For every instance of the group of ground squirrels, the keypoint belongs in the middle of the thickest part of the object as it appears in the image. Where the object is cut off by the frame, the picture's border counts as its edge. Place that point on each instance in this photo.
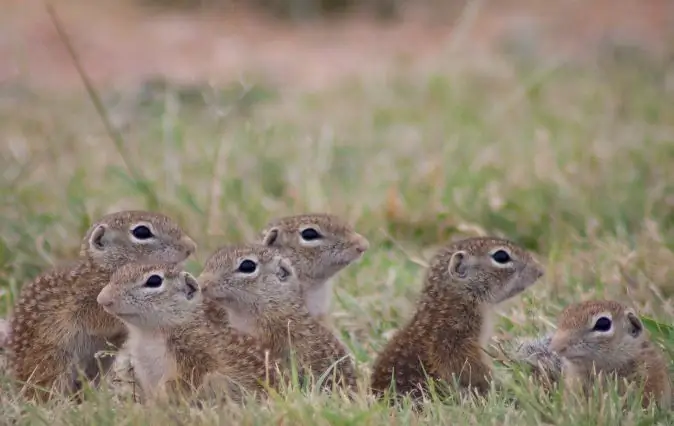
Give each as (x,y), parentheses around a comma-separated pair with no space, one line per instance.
(260,311)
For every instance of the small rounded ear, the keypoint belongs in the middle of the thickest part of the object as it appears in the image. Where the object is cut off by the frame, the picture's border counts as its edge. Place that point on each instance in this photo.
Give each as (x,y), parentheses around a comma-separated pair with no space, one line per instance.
(285,269)
(458,269)
(635,327)
(192,285)
(270,237)
(96,238)
(190,280)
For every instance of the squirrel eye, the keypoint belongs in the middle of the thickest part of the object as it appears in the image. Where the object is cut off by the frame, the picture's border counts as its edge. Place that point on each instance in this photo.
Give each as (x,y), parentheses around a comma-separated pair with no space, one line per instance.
(501,256)
(142,232)
(247,266)
(602,324)
(154,281)
(310,234)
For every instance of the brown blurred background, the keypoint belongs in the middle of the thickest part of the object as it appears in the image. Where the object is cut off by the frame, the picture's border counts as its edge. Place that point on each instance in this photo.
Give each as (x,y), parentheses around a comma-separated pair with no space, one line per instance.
(302,43)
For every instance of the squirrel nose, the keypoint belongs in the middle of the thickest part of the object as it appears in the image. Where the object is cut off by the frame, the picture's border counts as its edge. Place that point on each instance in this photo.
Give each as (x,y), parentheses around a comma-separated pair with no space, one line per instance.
(190,245)
(559,342)
(537,268)
(204,281)
(104,299)
(361,243)
(540,273)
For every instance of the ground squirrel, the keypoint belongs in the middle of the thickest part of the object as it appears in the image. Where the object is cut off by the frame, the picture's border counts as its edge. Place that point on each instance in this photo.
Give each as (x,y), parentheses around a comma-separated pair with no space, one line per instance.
(258,287)
(4,333)
(453,320)
(545,364)
(171,345)
(322,245)
(57,327)
(607,337)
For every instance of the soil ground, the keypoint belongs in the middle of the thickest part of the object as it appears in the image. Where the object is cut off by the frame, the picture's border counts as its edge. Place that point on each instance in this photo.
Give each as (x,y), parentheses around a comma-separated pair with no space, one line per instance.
(123,42)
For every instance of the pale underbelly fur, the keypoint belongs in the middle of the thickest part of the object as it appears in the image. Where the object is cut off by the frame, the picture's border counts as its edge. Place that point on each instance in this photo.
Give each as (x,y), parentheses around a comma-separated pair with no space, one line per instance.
(153,365)
(318,298)
(487,331)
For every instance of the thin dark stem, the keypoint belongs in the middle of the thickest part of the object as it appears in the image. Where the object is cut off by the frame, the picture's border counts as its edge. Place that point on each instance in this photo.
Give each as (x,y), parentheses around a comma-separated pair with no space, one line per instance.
(114,134)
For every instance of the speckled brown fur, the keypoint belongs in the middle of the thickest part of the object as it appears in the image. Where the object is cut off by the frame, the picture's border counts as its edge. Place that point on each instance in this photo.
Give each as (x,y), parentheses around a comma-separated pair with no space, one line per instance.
(625,350)
(4,333)
(172,346)
(266,304)
(452,321)
(57,326)
(319,260)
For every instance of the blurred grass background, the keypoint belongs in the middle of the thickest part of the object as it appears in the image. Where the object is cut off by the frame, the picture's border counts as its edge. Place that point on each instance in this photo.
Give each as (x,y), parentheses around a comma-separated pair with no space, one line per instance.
(550,125)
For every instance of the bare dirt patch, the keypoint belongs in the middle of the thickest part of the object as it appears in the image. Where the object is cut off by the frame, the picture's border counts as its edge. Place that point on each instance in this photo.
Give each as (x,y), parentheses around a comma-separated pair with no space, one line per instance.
(121,43)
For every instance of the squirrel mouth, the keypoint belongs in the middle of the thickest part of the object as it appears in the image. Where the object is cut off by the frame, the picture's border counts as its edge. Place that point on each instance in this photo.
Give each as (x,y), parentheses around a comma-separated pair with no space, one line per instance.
(347,261)
(123,315)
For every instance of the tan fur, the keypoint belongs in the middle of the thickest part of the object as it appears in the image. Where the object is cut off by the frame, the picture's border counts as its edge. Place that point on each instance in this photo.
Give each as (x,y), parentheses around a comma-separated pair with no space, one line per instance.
(545,365)
(172,346)
(4,333)
(268,302)
(625,351)
(317,261)
(452,323)
(57,327)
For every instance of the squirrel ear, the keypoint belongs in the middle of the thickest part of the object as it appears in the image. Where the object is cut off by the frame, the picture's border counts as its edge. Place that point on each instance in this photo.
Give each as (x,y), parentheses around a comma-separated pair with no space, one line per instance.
(635,326)
(192,285)
(457,265)
(96,238)
(270,236)
(285,269)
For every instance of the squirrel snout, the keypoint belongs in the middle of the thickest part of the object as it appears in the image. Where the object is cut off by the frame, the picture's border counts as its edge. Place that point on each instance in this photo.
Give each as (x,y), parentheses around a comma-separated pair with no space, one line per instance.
(559,342)
(536,268)
(205,280)
(361,243)
(539,273)
(104,299)
(190,245)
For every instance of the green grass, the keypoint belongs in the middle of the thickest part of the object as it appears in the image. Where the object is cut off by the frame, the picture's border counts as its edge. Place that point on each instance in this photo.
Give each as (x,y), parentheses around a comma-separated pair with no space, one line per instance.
(575,162)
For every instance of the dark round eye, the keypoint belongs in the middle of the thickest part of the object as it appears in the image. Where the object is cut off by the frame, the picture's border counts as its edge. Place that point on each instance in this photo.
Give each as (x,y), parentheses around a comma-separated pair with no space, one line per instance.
(602,324)
(154,281)
(501,256)
(142,232)
(310,234)
(247,266)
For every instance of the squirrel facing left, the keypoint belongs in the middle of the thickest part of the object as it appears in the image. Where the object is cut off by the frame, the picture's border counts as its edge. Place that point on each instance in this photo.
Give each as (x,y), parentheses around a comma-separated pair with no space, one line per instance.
(259,289)
(608,337)
(57,327)
(172,346)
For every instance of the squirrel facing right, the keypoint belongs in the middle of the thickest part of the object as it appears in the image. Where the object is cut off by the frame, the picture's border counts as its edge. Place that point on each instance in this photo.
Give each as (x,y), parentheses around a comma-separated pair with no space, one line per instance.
(259,289)
(452,323)
(321,245)
(604,336)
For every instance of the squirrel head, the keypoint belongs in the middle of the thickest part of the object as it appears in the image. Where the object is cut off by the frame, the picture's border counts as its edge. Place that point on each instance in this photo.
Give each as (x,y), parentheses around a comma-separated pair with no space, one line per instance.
(136,236)
(254,283)
(600,332)
(483,269)
(322,244)
(151,295)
